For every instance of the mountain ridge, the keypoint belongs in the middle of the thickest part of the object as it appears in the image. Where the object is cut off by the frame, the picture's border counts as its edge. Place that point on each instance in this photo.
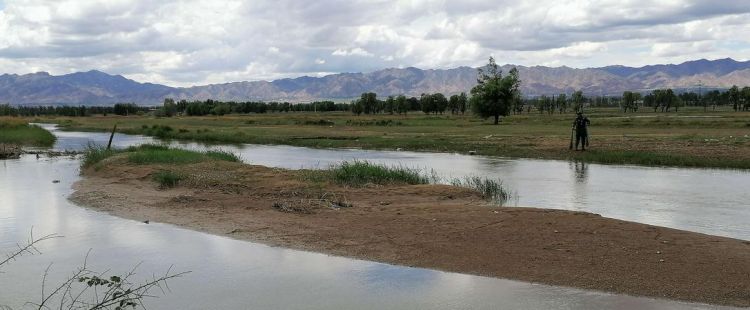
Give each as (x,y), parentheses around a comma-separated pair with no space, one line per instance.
(96,87)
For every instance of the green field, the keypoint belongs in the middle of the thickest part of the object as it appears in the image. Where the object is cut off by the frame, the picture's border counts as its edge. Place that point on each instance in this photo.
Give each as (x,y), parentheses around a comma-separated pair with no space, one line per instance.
(19,132)
(692,137)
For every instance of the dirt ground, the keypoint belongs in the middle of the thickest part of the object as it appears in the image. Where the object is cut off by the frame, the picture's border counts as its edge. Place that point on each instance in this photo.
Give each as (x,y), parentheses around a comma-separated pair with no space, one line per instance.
(431,226)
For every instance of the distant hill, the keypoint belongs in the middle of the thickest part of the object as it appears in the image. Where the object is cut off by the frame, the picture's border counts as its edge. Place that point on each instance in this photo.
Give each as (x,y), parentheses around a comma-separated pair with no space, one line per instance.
(95,87)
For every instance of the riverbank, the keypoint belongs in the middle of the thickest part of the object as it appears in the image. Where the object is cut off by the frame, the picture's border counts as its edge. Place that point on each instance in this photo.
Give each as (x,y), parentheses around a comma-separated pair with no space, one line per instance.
(691,138)
(432,226)
(15,133)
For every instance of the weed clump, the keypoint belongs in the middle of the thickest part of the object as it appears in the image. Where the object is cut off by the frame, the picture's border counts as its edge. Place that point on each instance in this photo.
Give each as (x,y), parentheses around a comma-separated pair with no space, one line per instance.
(490,189)
(95,154)
(167,178)
(358,173)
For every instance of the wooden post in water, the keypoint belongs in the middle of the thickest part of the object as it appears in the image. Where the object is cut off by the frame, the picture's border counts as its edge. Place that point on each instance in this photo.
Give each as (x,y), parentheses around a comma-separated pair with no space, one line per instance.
(112,135)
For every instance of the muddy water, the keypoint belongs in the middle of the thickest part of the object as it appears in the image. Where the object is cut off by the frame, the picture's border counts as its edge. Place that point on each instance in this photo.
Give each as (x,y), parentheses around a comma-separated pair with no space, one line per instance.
(231,274)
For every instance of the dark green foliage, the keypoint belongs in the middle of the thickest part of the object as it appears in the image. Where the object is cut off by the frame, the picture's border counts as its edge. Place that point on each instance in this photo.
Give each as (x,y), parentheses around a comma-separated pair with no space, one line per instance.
(126,109)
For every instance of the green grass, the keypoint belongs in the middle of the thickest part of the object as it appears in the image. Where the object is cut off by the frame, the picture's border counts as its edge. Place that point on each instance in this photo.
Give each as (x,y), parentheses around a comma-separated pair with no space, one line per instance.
(167,178)
(16,131)
(155,154)
(689,138)
(359,173)
(658,159)
(490,189)
(223,155)
(164,156)
(95,154)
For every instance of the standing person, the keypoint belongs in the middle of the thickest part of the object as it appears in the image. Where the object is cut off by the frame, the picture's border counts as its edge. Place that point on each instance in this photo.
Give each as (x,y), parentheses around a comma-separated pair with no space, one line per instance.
(580,125)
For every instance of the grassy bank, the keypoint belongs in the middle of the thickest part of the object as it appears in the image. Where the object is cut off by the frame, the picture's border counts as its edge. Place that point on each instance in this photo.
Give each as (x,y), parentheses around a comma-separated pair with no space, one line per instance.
(19,132)
(349,173)
(690,138)
(154,154)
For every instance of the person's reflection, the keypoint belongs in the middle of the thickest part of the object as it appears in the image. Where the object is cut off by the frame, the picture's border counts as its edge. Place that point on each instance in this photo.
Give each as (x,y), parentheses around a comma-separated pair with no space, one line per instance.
(581,170)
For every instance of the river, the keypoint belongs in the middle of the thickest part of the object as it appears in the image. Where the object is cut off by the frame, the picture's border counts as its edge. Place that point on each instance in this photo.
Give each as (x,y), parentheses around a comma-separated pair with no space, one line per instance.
(233,274)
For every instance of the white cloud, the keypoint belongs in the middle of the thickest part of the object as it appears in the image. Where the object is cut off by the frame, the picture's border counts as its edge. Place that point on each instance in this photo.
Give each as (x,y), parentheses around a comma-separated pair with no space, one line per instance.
(357,51)
(191,42)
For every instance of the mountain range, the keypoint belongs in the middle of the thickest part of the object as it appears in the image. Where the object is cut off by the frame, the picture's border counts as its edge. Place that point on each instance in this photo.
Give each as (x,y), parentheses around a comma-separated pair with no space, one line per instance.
(99,88)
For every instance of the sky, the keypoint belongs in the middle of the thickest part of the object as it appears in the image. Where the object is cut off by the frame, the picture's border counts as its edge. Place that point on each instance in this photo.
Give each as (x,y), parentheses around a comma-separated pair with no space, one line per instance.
(196,42)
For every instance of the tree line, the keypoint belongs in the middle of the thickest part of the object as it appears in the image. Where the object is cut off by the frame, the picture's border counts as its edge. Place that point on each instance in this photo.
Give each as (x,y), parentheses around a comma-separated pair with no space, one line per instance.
(664,100)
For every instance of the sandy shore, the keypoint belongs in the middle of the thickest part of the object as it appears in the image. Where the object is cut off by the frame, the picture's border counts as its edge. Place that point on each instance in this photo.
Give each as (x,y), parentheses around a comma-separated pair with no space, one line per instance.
(431,226)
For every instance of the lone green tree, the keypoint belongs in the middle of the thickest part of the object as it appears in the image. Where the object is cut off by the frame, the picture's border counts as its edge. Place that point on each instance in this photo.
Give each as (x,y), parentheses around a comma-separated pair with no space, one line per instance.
(495,94)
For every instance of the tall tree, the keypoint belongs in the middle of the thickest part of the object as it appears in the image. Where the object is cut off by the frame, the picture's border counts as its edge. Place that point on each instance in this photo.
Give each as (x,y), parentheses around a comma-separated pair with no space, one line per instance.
(369,103)
(495,94)
(734,96)
(402,106)
(462,102)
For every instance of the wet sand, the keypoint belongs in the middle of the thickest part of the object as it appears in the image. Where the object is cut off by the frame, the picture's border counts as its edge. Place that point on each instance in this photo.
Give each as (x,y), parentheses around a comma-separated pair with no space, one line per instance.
(431,226)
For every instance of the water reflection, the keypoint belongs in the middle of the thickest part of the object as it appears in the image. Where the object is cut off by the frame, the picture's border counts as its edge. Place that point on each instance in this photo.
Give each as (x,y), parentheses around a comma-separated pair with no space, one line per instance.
(581,170)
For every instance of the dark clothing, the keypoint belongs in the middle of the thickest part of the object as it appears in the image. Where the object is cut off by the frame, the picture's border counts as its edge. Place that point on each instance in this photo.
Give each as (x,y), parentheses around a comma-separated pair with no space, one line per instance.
(581,124)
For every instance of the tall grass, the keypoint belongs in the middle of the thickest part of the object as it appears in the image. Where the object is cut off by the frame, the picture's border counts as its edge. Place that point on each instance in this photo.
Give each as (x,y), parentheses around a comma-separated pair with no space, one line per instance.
(95,154)
(490,189)
(15,131)
(358,173)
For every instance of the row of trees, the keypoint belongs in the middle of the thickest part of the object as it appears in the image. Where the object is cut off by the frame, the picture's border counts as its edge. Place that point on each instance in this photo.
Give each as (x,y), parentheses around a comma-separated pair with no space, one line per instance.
(121,109)
(561,103)
(435,103)
(214,107)
(664,100)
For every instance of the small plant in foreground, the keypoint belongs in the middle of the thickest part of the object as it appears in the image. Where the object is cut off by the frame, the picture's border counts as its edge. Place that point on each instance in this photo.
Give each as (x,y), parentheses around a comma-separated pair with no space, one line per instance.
(167,178)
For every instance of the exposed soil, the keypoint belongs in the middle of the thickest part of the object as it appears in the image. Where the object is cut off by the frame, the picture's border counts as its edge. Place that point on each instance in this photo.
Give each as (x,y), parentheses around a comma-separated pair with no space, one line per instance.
(431,226)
